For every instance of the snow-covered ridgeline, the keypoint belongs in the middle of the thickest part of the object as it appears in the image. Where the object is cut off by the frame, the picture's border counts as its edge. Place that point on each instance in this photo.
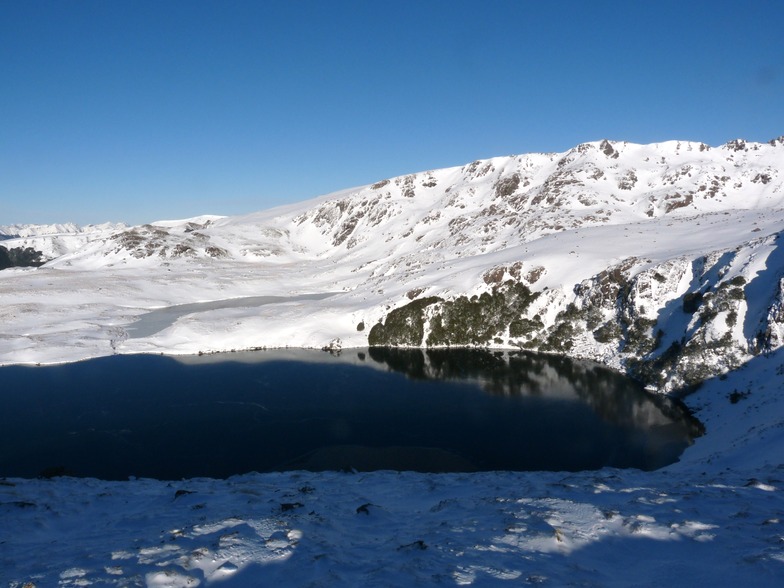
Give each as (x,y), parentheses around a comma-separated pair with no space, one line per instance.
(484,206)
(11,231)
(54,240)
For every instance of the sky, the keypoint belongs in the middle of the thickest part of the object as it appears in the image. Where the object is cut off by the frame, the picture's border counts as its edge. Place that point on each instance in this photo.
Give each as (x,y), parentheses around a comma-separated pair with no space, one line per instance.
(137,111)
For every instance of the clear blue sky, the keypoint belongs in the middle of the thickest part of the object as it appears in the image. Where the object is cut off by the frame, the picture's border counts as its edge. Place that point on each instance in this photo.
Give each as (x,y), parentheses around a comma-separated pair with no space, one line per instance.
(138,111)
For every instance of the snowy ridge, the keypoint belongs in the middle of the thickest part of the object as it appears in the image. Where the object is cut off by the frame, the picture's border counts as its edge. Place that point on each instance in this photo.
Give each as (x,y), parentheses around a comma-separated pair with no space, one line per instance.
(55,240)
(493,204)
(36,230)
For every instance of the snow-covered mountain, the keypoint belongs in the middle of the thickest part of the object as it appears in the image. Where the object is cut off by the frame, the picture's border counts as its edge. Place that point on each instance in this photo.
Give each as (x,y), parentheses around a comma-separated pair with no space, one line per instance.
(52,241)
(662,260)
(487,205)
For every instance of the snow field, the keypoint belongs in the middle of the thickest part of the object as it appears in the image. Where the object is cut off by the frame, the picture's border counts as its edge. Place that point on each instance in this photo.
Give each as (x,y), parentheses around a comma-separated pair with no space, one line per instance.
(606,528)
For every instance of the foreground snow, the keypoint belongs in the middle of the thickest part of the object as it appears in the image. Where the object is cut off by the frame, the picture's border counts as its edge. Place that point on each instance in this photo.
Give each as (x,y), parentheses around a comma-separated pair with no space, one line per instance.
(397,529)
(714,518)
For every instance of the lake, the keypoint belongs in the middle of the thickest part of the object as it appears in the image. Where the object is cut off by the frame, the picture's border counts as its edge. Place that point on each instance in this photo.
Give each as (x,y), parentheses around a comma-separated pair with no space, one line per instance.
(363,409)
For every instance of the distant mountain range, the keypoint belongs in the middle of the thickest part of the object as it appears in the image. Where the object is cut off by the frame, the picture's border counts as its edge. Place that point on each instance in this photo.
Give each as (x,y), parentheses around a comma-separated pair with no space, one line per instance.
(661,260)
(55,240)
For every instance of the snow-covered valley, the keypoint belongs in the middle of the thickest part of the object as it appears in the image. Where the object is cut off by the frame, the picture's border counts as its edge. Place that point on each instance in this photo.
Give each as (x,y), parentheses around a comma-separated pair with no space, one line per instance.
(663,261)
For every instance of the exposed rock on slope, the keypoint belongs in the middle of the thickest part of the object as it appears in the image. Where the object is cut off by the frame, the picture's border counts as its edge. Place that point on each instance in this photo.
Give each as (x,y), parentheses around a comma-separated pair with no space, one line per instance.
(42,243)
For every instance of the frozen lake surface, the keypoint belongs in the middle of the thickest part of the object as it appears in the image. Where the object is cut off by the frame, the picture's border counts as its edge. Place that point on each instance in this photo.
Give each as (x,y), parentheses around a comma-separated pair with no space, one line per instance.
(161,318)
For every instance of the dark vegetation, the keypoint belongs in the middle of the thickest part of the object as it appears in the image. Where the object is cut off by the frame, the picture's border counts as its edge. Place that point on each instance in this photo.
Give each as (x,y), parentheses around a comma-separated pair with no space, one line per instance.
(403,326)
(464,321)
(20,257)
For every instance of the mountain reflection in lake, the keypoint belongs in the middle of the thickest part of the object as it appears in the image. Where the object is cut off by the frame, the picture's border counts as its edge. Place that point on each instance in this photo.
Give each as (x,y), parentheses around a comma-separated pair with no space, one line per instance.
(431,411)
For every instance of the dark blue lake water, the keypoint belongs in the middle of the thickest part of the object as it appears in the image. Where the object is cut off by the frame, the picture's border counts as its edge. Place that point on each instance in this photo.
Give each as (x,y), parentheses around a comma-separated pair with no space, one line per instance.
(434,411)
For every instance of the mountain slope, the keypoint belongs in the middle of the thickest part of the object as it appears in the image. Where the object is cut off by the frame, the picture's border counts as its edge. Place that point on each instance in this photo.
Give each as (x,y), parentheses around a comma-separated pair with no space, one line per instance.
(52,241)
(661,260)
(492,204)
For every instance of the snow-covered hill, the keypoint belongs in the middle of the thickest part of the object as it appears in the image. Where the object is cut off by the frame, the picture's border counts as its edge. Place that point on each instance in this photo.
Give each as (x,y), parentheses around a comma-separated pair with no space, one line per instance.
(52,241)
(484,206)
(661,260)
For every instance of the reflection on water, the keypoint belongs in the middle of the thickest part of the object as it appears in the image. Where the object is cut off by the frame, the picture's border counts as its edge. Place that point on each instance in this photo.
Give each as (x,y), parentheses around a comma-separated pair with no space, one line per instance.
(434,410)
(612,396)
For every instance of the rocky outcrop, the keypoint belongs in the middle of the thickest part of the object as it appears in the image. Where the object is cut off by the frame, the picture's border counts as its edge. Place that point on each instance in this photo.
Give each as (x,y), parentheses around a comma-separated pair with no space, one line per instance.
(671,325)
